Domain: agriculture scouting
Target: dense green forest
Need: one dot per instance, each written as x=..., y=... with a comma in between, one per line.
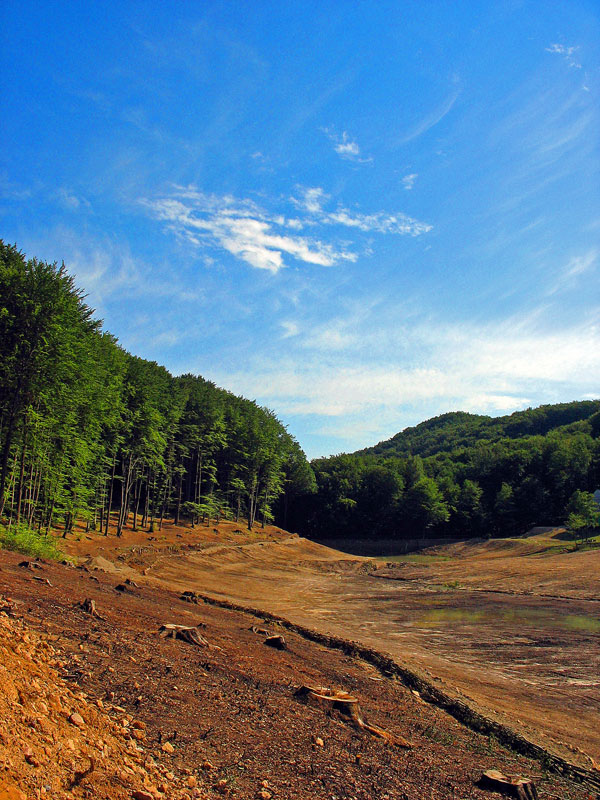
x=89, y=433
x=463, y=475
x=87, y=429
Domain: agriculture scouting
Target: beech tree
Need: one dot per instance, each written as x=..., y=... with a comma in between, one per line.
x=88, y=430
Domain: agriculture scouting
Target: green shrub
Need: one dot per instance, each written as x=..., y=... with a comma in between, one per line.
x=22, y=539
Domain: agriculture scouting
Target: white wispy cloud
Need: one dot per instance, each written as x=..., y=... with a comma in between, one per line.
x=493, y=368
x=568, y=275
x=167, y=338
x=430, y=120
x=239, y=227
x=408, y=181
x=313, y=199
x=70, y=200
x=568, y=54
x=262, y=239
x=290, y=329
x=345, y=146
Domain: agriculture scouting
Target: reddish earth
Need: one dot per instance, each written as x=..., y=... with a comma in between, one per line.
x=230, y=712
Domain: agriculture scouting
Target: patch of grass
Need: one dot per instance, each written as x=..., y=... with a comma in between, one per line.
x=415, y=558
x=452, y=585
x=439, y=736
x=484, y=745
x=24, y=540
x=576, y=622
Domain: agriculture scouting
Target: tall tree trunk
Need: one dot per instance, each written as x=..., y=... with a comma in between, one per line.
x=149, y=483
x=10, y=485
x=178, y=508
x=21, y=476
x=110, y=493
x=124, y=497
x=164, y=502
x=8, y=439
x=136, y=501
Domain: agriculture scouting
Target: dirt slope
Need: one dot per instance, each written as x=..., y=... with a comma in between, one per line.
x=510, y=626
x=223, y=717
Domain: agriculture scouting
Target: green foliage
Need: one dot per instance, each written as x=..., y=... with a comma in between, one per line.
x=460, y=429
x=461, y=475
x=22, y=539
x=87, y=429
x=583, y=514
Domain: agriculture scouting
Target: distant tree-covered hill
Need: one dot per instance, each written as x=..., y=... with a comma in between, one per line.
x=461, y=429
x=462, y=475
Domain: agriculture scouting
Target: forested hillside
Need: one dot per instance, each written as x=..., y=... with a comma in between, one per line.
x=86, y=428
x=463, y=475
x=460, y=429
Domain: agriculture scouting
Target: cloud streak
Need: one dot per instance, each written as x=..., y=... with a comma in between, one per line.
x=312, y=200
x=495, y=368
x=265, y=240
x=431, y=120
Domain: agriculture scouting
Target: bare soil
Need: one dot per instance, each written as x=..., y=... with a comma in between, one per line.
x=230, y=712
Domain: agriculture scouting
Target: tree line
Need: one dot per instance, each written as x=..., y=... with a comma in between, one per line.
x=92, y=433
x=480, y=477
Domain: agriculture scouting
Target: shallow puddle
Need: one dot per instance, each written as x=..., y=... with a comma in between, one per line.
x=531, y=617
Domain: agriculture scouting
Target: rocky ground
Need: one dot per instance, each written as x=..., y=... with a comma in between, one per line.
x=104, y=706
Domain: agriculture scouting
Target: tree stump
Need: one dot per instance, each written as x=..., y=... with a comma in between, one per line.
x=186, y=633
x=349, y=706
x=89, y=606
x=519, y=788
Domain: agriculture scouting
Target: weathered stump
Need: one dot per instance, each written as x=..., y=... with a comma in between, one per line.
x=349, y=706
x=519, y=788
x=186, y=633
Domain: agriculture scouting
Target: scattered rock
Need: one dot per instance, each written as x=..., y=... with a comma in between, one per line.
x=30, y=756
x=277, y=641
x=167, y=747
x=76, y=719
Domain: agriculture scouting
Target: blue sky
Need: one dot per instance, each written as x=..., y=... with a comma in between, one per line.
x=359, y=214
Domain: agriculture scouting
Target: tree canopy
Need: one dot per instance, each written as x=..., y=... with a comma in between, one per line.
x=87, y=429
x=462, y=475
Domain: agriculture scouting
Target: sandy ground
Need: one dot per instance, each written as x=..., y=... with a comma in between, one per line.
x=511, y=626
x=162, y=718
